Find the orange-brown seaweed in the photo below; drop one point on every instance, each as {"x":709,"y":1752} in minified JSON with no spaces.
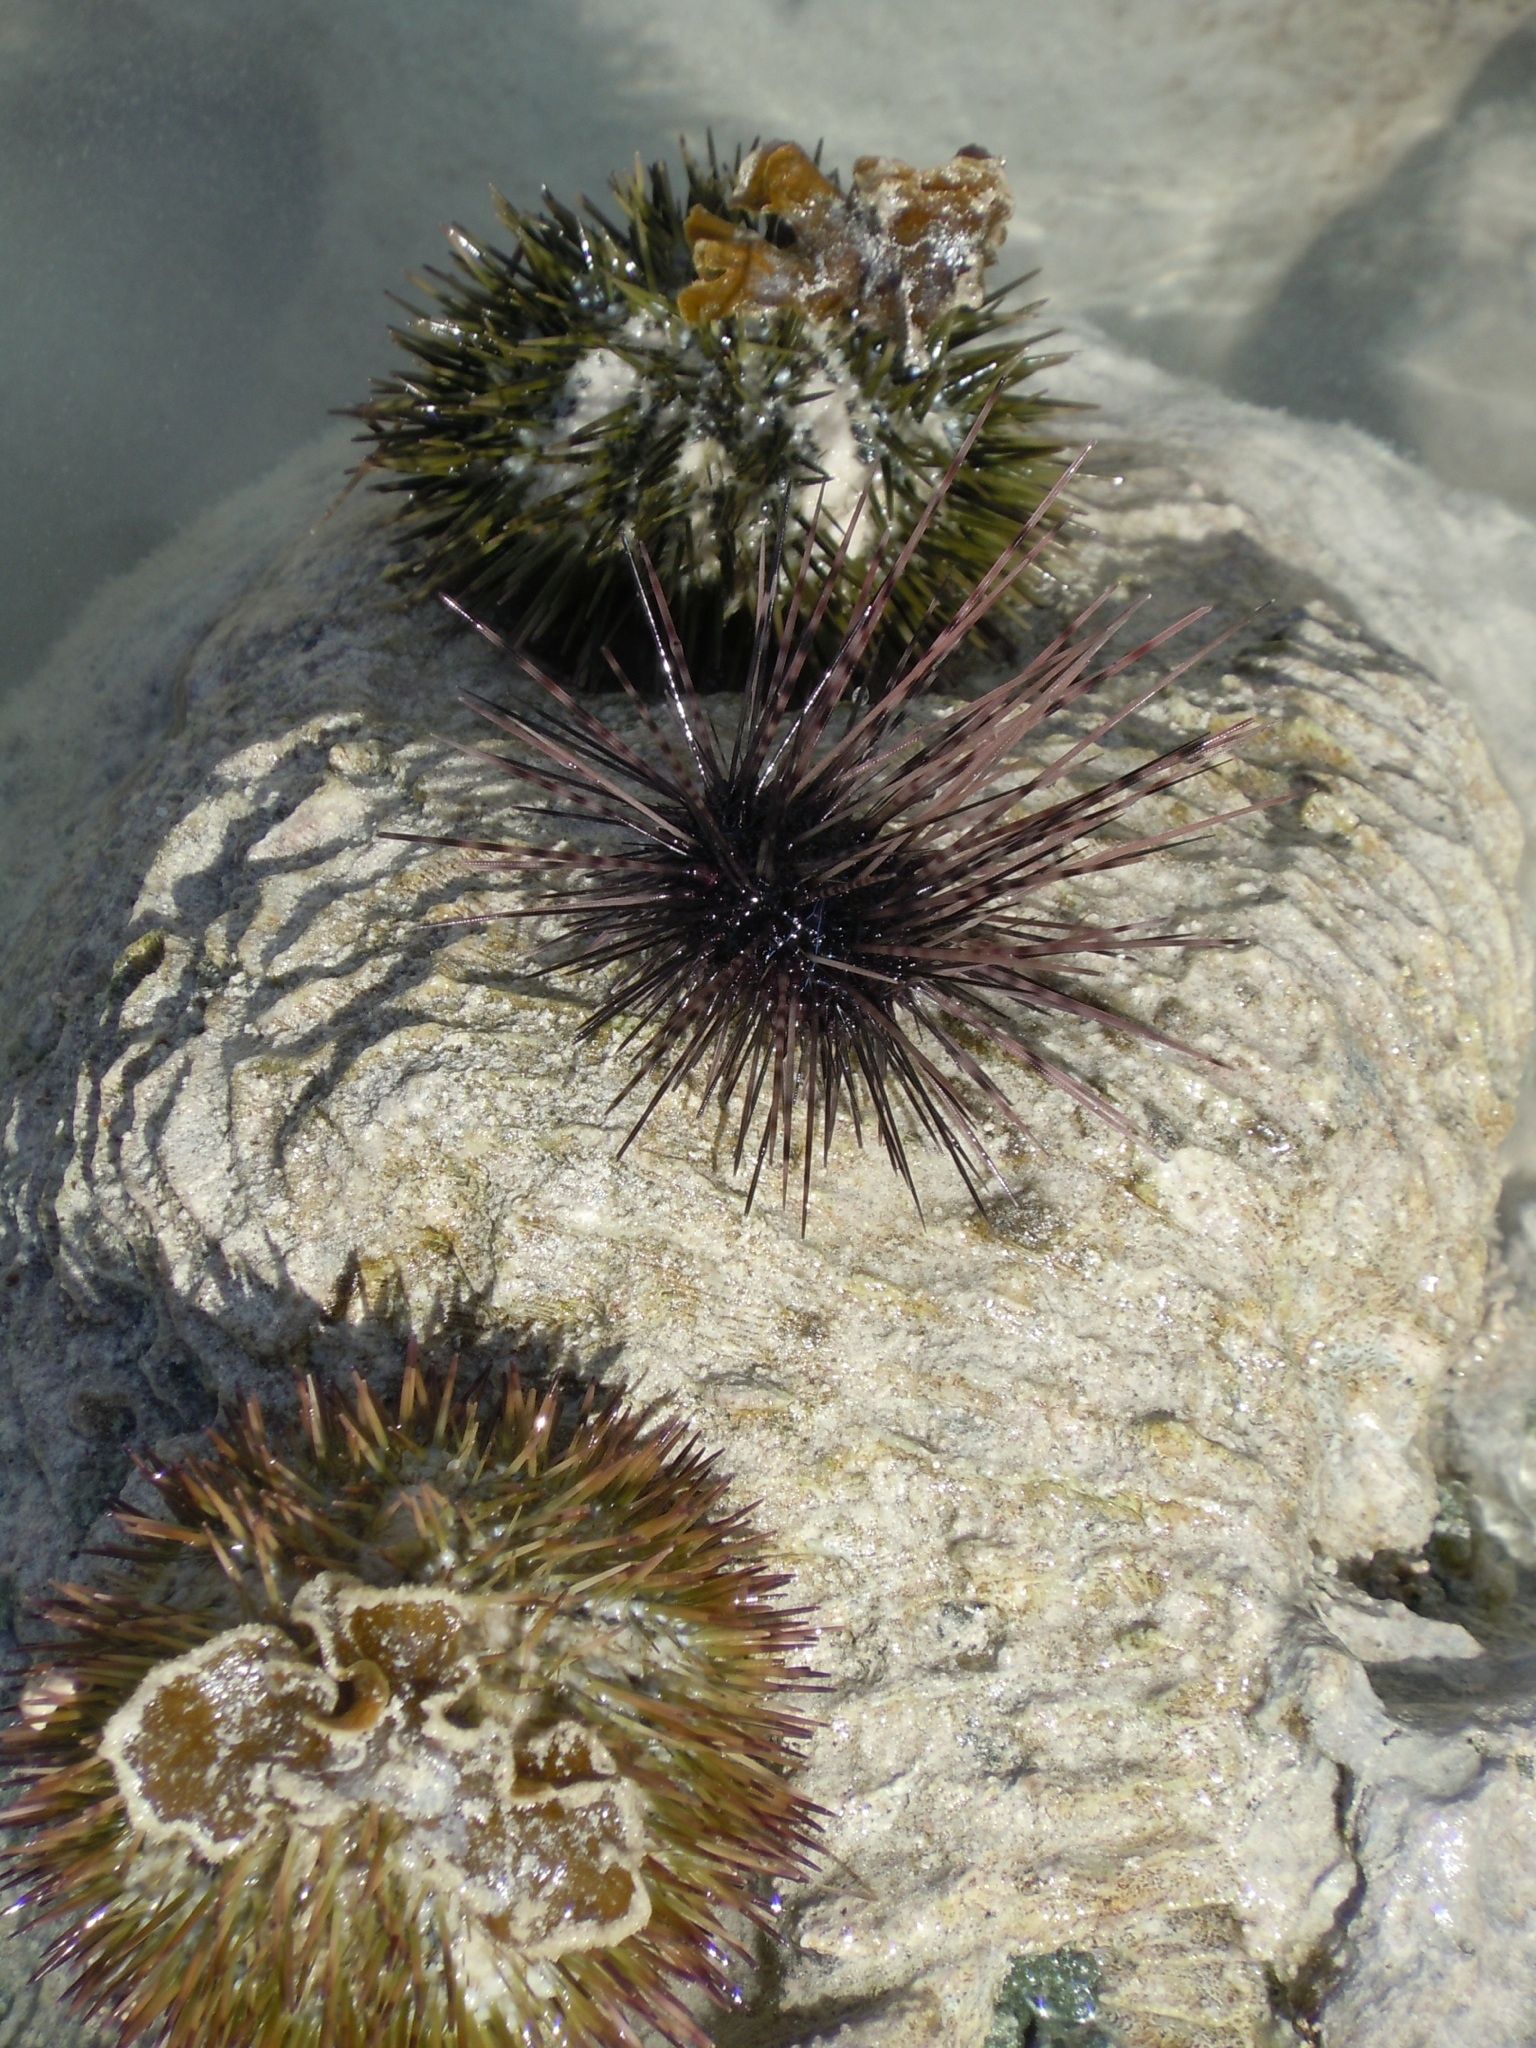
{"x":891,"y":255}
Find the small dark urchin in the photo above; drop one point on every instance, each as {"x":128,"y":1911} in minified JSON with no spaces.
{"x":664,"y":375}
{"x":843,"y":901}
{"x":457,"y":1726}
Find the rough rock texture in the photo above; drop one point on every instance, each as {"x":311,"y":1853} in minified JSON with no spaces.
{"x":1066,"y":1483}
{"x":1446,"y":577}
{"x":1436,"y":1737}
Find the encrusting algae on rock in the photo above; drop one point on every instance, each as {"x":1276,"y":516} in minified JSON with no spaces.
{"x":458,"y":1725}
{"x":893,"y":254}
{"x":757,"y":347}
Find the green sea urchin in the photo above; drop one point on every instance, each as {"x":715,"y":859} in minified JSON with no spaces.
{"x":664,"y":378}
{"x":459,"y":1724}
{"x":841,"y":899}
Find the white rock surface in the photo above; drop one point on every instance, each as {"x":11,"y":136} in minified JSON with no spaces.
{"x":1445,"y":576}
{"x":1063,"y":1483}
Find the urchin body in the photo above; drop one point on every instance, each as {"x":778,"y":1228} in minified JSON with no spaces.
{"x":463,"y":1724}
{"x":559,"y":405}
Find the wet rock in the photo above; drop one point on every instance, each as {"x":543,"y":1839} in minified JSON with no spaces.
{"x":1066,"y":1482}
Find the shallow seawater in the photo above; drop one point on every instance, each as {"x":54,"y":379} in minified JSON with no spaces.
{"x":1327,"y":207}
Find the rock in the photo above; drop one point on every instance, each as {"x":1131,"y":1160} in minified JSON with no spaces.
{"x":1493,"y":1426}
{"x":1438,"y":1757}
{"x":1444,"y":576}
{"x":1065,"y":1482}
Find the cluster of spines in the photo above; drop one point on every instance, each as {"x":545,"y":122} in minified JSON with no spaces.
{"x":793,"y":918}
{"x":529,"y":526}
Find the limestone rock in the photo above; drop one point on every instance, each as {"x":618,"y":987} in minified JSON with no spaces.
{"x":1065,"y":1482}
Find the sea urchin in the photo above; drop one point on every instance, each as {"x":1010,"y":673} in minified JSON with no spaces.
{"x":805,"y":910}
{"x":663,"y":374}
{"x":458,"y":1724}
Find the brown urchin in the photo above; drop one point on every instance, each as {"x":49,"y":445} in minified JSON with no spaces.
{"x":461,"y":1724}
{"x":799,"y":911}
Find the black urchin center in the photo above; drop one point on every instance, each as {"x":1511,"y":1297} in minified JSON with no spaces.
{"x":765,"y":942}
{"x":769,"y":903}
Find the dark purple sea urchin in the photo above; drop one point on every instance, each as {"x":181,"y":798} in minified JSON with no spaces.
{"x":462,"y":1724}
{"x":804,"y":911}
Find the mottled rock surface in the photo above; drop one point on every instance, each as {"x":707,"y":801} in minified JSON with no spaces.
{"x":1068,"y":1482}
